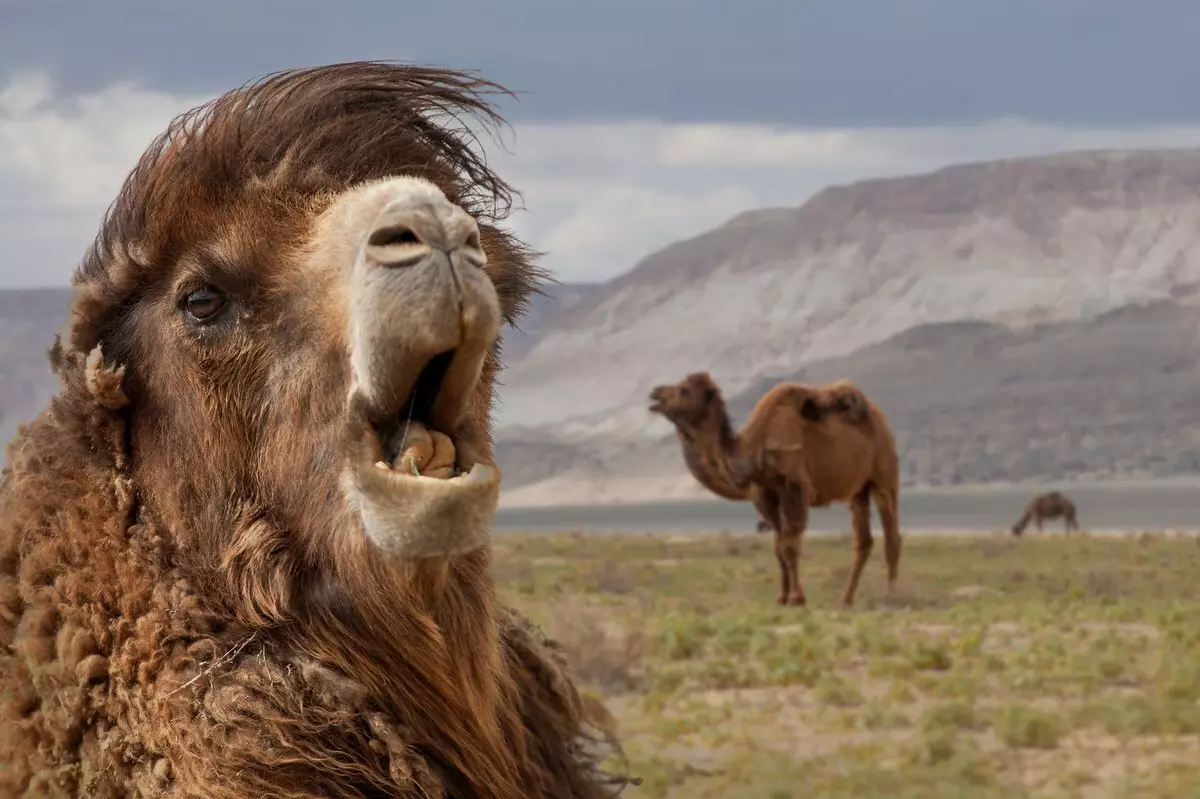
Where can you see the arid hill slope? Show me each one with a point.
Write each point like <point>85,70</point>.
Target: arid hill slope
<point>1018,242</point>
<point>971,402</point>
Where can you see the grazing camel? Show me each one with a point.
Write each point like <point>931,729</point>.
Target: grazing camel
<point>1051,505</point>
<point>245,551</point>
<point>805,446</point>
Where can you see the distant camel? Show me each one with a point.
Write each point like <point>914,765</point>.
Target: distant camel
<point>804,446</point>
<point>1050,505</point>
<point>684,405</point>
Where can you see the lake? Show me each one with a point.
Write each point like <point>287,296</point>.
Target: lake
<point>1101,507</point>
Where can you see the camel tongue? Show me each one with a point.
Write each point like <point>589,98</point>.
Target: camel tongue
<point>421,451</point>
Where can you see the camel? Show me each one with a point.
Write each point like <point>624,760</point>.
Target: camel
<point>803,447</point>
<point>245,550</point>
<point>683,405</point>
<point>1051,505</point>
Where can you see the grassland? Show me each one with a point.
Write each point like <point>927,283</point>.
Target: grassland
<point>1001,667</point>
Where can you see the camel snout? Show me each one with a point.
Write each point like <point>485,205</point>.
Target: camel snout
<point>422,302</point>
<point>404,235</point>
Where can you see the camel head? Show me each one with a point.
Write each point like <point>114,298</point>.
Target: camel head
<point>302,285</point>
<point>689,401</point>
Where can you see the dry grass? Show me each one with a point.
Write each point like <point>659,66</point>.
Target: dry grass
<point>1001,668</point>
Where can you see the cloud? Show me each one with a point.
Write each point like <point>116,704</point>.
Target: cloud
<point>598,196</point>
<point>77,150</point>
<point>827,64</point>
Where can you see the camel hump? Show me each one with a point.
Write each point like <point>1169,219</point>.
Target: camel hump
<point>1056,497</point>
<point>848,399</point>
<point>841,398</point>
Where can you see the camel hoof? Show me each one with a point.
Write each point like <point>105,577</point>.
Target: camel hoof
<point>782,600</point>
<point>798,601</point>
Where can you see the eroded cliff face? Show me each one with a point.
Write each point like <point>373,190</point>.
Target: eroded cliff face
<point>1020,244</point>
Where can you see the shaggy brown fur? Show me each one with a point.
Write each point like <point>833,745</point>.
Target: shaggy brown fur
<point>1051,505</point>
<point>188,607</point>
<point>804,446</point>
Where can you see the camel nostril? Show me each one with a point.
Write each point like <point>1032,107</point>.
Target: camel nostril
<point>394,236</point>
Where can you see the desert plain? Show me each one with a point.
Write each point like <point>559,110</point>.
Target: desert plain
<point>1041,666</point>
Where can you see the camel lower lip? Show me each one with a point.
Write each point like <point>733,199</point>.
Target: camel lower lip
<point>479,473</point>
<point>412,517</point>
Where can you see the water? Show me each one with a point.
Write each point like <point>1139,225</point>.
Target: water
<point>1101,507</point>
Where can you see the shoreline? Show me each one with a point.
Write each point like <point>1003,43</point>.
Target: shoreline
<point>631,492</point>
<point>1109,505</point>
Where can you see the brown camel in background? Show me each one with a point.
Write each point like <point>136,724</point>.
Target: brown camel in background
<point>804,446</point>
<point>698,427</point>
<point>815,445</point>
<point>1051,505</point>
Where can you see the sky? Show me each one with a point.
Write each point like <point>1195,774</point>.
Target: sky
<point>638,122</point>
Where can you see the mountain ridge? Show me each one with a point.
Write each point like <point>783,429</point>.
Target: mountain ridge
<point>1018,242</point>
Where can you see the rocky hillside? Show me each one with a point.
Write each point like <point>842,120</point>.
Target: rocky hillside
<point>1015,242</point>
<point>1116,395</point>
<point>970,301</point>
<point>544,309</point>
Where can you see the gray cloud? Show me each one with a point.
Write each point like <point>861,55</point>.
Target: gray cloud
<point>837,62</point>
<point>598,196</point>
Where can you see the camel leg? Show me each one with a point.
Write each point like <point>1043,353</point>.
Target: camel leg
<point>889,517</point>
<point>795,519</point>
<point>785,577</point>
<point>860,520</point>
<point>1038,520</point>
<point>766,502</point>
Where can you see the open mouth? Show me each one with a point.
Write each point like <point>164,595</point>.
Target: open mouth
<point>422,437</point>
<point>656,403</point>
<point>410,441</point>
<point>421,471</point>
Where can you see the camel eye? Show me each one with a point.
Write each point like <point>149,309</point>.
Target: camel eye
<point>203,304</point>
